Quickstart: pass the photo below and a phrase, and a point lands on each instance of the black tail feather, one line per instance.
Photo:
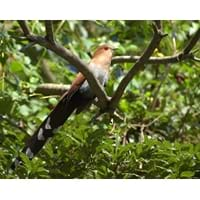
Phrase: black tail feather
(53, 121)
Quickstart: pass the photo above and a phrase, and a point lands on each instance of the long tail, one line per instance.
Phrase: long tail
(53, 121)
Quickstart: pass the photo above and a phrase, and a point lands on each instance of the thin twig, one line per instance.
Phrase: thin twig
(196, 59)
(152, 122)
(155, 96)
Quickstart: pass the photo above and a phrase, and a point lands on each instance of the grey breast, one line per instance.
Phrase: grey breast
(101, 75)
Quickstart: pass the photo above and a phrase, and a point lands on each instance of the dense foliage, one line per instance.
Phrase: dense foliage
(158, 133)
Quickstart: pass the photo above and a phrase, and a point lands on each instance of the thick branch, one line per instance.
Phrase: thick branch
(192, 42)
(77, 62)
(49, 31)
(139, 65)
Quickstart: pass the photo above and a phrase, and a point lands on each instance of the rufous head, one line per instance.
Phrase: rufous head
(105, 50)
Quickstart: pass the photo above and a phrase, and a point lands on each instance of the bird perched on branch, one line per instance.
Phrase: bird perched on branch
(76, 99)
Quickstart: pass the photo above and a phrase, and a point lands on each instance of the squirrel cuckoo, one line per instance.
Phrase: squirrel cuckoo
(75, 99)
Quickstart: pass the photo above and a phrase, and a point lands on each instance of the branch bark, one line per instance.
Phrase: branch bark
(139, 65)
(49, 31)
(153, 60)
(196, 59)
(52, 89)
(192, 42)
(73, 59)
(24, 27)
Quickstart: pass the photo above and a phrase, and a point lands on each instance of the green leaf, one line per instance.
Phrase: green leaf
(187, 174)
(53, 101)
(24, 110)
(16, 66)
(6, 103)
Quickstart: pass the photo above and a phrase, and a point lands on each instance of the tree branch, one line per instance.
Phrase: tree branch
(153, 60)
(184, 55)
(192, 42)
(52, 89)
(74, 60)
(24, 27)
(49, 43)
(139, 65)
(49, 31)
(196, 59)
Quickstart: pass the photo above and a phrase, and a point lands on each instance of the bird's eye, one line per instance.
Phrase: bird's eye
(106, 48)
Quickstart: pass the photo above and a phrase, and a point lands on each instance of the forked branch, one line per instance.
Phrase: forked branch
(139, 65)
(70, 57)
(104, 103)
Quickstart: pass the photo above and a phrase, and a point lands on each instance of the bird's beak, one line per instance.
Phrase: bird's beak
(112, 47)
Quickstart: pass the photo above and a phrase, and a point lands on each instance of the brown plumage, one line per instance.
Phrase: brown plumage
(75, 99)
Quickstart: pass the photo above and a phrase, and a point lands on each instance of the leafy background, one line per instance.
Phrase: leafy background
(159, 133)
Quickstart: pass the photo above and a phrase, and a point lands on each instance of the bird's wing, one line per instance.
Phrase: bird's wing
(78, 81)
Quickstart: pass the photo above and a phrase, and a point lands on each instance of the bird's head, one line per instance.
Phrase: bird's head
(104, 49)
(104, 52)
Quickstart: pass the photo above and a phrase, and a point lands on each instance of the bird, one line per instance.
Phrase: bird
(76, 99)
